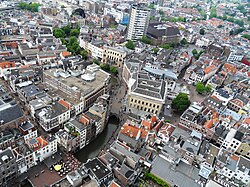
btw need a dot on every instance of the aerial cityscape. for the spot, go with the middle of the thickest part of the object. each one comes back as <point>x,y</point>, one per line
<point>124,93</point>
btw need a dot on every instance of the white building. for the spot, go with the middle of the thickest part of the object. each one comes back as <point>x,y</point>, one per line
<point>233,140</point>
<point>42,148</point>
<point>138,22</point>
<point>235,57</point>
<point>202,42</point>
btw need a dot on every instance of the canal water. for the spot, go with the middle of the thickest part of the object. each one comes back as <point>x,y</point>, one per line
<point>94,147</point>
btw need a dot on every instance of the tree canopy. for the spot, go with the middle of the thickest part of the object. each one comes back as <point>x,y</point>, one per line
<point>113,70</point>
<point>213,12</point>
<point>155,50</point>
<point>68,37</point>
<point>184,41</point>
<point>202,31</point>
<point>247,36</point>
<point>130,45</point>
<point>180,103</point>
<point>74,32</point>
<point>105,66</point>
<point>96,61</point>
<point>33,7</point>
<point>59,33</point>
<point>200,88</point>
<point>165,46</point>
<point>67,30</point>
<point>146,40</point>
<point>197,54</point>
<point>84,54</point>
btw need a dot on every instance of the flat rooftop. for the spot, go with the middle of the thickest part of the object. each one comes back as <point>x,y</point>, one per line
<point>184,175</point>
<point>97,168</point>
<point>25,126</point>
<point>91,82</point>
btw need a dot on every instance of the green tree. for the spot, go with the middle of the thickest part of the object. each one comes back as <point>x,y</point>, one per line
<point>84,54</point>
<point>155,50</point>
<point>146,40</point>
<point>151,6</point>
<point>213,12</point>
<point>180,103</point>
<point>74,48</point>
<point>96,61</point>
<point>105,67</point>
<point>161,12</point>
<point>64,42</point>
<point>247,36</point>
<point>67,30</point>
<point>239,22</point>
<point>202,31</point>
<point>113,70</point>
<point>165,46</point>
<point>197,56</point>
<point>130,45</point>
<point>208,88</point>
<point>200,88</point>
<point>194,52</point>
<point>33,7</point>
<point>159,181</point>
<point>72,40</point>
<point>74,32</point>
<point>184,41</point>
<point>58,33</point>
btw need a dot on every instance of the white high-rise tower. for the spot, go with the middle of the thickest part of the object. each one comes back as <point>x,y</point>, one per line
<point>138,21</point>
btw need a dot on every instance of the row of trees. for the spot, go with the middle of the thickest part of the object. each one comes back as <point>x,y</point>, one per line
<point>247,36</point>
<point>160,182</point>
<point>33,7</point>
<point>174,19</point>
<point>197,54</point>
<point>201,88</point>
<point>106,67</point>
<point>236,31</point>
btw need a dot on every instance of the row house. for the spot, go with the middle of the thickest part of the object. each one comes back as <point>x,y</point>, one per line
<point>8,165</point>
<point>53,116</point>
<point>42,148</point>
<point>79,132</point>
<point>237,103</point>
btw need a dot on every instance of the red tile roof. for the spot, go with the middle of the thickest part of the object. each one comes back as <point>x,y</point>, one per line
<point>84,119</point>
<point>64,103</point>
<point>66,53</point>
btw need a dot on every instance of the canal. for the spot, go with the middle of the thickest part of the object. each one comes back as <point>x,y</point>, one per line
<point>94,147</point>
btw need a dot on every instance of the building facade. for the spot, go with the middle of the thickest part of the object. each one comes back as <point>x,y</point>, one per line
<point>138,22</point>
